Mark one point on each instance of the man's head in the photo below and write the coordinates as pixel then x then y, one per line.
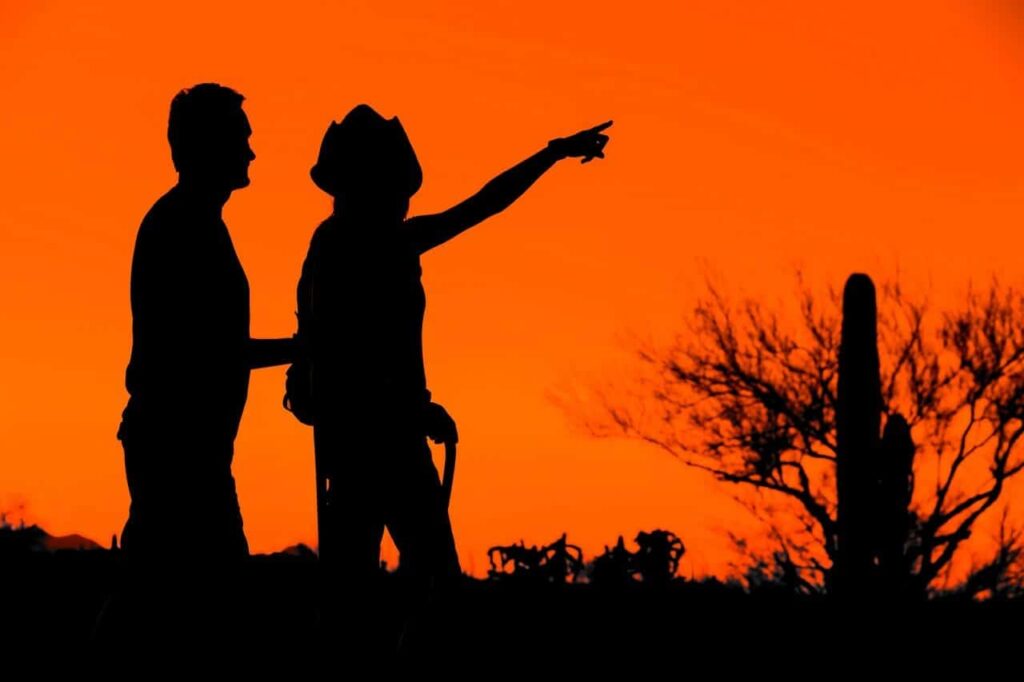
pixel 209 136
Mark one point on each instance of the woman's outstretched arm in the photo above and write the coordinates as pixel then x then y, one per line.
pixel 432 230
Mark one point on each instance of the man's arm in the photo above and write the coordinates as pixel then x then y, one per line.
pixel 271 352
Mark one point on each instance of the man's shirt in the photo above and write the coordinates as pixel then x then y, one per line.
pixel 188 375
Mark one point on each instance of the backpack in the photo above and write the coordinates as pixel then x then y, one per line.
pixel 298 383
pixel 298 389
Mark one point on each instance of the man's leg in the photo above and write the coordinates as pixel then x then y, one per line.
pixel 184 545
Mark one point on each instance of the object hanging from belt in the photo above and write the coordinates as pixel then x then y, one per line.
pixel 448 478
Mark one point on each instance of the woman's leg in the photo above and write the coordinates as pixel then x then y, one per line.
pixel 351 528
pixel 417 518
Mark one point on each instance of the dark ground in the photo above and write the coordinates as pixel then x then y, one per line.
pixel 55 599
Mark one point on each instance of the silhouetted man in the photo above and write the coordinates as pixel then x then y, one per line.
pixel 191 352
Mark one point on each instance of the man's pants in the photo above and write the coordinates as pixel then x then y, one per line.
pixel 183 500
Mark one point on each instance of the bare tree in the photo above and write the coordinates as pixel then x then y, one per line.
pixel 752 397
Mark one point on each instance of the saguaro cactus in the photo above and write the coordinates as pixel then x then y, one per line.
pixel 858 422
pixel 893 520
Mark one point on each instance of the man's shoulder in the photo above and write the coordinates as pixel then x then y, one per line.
pixel 166 210
pixel 170 221
pixel 324 230
pixel 166 236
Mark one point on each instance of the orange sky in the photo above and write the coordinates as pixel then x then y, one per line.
pixel 748 141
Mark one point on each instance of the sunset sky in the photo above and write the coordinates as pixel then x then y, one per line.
pixel 750 139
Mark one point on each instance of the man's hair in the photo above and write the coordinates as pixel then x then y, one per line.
pixel 198 116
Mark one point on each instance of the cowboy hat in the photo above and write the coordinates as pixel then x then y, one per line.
pixel 366 152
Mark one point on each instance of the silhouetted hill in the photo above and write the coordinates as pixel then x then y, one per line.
pixel 22 539
pixel 73 541
pixel 299 550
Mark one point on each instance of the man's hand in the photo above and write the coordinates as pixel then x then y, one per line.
pixel 587 143
pixel 439 425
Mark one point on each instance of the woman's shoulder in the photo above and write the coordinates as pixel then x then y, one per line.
pixel 380 248
pixel 323 235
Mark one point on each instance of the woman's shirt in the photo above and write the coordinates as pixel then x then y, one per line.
pixel 366 305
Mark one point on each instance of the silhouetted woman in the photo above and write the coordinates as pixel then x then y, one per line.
pixel 361 306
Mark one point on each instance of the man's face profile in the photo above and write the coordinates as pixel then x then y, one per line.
pixel 234 154
pixel 217 152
